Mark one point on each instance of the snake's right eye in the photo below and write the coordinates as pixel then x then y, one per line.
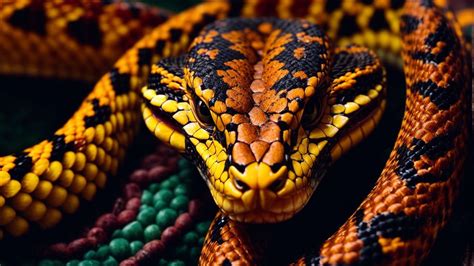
pixel 311 114
pixel 203 113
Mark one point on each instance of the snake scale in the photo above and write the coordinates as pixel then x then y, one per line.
pixel 262 103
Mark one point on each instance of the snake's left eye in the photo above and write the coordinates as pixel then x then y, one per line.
pixel 311 114
pixel 203 113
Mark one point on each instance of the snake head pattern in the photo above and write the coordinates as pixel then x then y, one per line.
pixel 263 106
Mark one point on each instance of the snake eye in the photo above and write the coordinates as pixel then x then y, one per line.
pixel 311 114
pixel 203 113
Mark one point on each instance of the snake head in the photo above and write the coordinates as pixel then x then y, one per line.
pixel 263 107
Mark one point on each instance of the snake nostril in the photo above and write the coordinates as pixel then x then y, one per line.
pixel 277 185
pixel 240 185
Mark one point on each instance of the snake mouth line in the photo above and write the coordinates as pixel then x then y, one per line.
pixel 279 210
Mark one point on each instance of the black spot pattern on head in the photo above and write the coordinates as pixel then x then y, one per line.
pixel 226 262
pixel 23 164
pixel 409 24
pixel 348 26
pixel 434 149
pixel 367 2
pixel 378 21
pixel 86 31
pixel 60 147
pixel 120 81
pixel 101 114
pixel 312 62
pixel 386 225
pixel 443 97
pixel 31 18
pixel 444 33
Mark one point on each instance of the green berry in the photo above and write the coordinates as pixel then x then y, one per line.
pixel 183 163
pixel 160 205
pixel 170 183
pixel 135 246
pixel 146 216
pixel 117 233
pixel 90 255
pixel 133 230
pixel 89 263
pixel 102 252
pixel 164 194
pixel 179 203
pixel 191 238
pixel 181 251
pixel 154 187
pixel 120 248
pixel 194 253
pixel 203 227
pixel 49 263
pixel 147 198
pixel 181 189
pixel 110 261
pixel 73 263
pixel 176 263
pixel 152 232
pixel 166 217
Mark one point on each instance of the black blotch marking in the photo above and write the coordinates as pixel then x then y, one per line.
pixel 345 62
pixel 348 26
pixel 60 147
pixel 363 84
pixel 206 19
pixel 367 2
pixel 434 149
pixel 216 230
pixel 226 262
pixel 144 56
pixel 31 18
pixel 332 5
pixel 236 7
pixel 443 33
pixel 159 46
pixel 120 81
pixel 386 225
pixel 378 20
pixel 443 97
pixel 134 10
pixel 175 34
pixel 101 114
pixel 86 31
pixel 23 164
pixel 409 24
pixel 397 4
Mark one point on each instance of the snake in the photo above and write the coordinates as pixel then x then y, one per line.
pixel 263 97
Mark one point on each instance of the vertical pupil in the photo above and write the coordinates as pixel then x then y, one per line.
pixel 202 108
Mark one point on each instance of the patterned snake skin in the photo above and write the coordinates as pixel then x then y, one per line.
pixel 262 106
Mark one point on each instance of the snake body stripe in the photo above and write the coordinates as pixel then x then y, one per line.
pixel 400 218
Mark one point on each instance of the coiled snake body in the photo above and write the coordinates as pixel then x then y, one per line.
pixel 263 106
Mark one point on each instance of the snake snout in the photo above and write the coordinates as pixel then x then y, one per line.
pixel 258 176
